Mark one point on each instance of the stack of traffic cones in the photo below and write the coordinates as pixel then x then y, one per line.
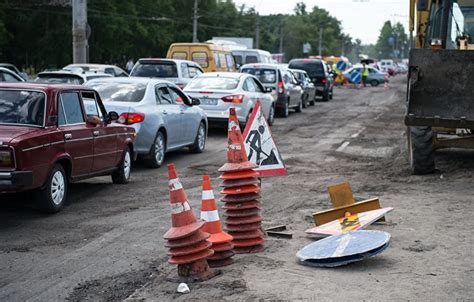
pixel 188 247
pixel 221 241
pixel 241 194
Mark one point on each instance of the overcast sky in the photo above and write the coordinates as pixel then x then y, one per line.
pixel 361 19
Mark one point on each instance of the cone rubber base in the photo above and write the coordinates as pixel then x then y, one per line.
pixel 247 235
pixel 190 249
pixel 239 182
pixel 242 205
pixel 249 250
pixel 240 190
pixel 248 242
pixel 187 259
pixel 220 263
pixel 241 197
pixel 241 213
pixel 180 232
pixel 221 237
pixel 239 174
pixel 222 247
pixel 243 220
pixel 243 227
pixel 192 239
pixel 236 167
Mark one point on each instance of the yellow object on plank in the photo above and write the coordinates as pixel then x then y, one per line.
pixel 338 212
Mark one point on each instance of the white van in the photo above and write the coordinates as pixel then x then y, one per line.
pixel 385 65
pixel 249 56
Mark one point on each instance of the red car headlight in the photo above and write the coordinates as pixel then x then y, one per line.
pixel 6 158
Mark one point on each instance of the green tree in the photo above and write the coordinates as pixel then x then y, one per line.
pixel 392 41
pixel 384 47
pixel 37 33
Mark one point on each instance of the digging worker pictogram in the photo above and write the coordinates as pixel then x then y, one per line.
pixel 255 139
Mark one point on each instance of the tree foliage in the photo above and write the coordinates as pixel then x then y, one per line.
pixel 392 42
pixel 37 33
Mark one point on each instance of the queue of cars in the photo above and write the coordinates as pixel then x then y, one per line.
pixel 94 119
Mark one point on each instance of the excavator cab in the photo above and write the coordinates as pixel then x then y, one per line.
pixel 440 96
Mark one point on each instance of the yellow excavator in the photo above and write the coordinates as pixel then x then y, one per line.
pixel 440 89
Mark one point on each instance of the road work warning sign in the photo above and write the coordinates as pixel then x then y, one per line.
pixel 260 146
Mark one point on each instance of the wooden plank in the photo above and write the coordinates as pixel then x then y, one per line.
pixel 277 228
pixel 341 195
pixel 349 223
pixel 336 213
pixel 280 234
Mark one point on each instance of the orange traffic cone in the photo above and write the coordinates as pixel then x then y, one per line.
pixel 236 155
pixel 221 241
pixel 241 194
pixel 188 247
pixel 183 221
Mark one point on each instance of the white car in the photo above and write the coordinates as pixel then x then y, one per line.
pixel 6 75
pixel 180 72
pixel 218 91
pixel 68 77
pixel 103 68
pixel 385 65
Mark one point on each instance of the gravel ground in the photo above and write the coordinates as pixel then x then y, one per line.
pixel 106 245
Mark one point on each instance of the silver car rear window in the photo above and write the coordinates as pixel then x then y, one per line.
pixel 59 79
pixel 119 92
pixel 213 83
pixel 264 75
pixel 155 70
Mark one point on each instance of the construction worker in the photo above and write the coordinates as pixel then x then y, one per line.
pixel 365 74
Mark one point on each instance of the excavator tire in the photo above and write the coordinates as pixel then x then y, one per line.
pixel 421 149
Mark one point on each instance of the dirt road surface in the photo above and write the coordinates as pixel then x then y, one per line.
pixel 106 245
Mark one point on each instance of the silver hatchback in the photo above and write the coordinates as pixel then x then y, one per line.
pixel 164 118
pixel 218 91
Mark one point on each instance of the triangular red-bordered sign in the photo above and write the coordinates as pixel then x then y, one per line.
pixel 260 146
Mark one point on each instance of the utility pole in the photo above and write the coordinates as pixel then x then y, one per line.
pixel 257 32
pixel 195 21
pixel 281 39
pixel 320 41
pixel 79 31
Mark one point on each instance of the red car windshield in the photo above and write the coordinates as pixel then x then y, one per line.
pixel 21 107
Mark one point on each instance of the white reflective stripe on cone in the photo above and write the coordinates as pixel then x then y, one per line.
pixel 235 147
pixel 233 126
pixel 179 207
pixel 174 184
pixel 210 215
pixel 207 194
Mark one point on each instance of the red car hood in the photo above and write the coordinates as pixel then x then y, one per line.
pixel 8 133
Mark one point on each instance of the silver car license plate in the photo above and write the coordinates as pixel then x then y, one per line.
pixel 208 101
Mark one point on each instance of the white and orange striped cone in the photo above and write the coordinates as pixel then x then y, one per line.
pixel 221 241
pixel 385 86
pixel 241 194
pixel 188 247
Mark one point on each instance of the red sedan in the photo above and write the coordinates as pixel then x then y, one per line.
pixel 51 135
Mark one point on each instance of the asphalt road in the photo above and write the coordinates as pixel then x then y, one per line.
pixel 106 244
